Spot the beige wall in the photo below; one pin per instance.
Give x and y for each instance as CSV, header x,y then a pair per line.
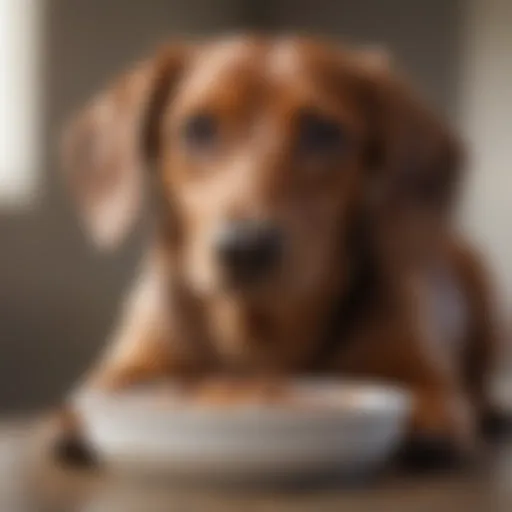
x,y
486,119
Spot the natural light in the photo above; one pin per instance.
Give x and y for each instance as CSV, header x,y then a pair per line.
x,y
20,85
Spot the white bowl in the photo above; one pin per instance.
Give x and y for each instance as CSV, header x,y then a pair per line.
x,y
250,443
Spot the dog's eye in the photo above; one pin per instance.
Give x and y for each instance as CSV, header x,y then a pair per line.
x,y
200,131
318,135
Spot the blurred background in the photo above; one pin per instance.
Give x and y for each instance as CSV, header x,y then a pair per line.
x,y
58,297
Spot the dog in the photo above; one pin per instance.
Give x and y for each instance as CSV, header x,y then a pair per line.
x,y
302,195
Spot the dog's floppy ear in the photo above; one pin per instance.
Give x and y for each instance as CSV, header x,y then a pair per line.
x,y
416,155
105,146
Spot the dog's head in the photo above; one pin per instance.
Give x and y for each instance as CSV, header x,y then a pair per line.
x,y
265,153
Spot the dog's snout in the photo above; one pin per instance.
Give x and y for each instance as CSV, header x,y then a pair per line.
x,y
249,250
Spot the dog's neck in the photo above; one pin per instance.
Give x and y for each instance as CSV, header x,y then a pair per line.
x,y
273,337
293,336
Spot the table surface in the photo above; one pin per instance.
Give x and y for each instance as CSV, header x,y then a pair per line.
x,y
30,482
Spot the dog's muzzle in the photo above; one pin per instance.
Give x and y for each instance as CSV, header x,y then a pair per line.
x,y
248,251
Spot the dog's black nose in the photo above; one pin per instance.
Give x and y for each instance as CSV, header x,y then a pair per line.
x,y
249,250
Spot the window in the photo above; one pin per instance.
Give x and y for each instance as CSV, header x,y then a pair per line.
x,y
20,88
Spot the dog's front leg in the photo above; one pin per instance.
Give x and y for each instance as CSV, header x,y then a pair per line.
x,y
142,350
139,357
442,425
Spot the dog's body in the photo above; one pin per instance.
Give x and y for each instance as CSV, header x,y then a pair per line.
x,y
303,201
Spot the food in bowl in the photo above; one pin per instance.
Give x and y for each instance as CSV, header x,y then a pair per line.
x,y
225,392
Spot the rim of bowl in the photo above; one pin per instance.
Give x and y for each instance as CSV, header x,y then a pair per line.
x,y
374,399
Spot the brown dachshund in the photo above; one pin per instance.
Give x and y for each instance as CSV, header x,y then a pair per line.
x,y
302,196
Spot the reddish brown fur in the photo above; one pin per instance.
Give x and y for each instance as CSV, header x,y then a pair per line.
x,y
399,170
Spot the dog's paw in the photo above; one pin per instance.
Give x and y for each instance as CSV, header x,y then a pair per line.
x,y
496,424
427,452
72,451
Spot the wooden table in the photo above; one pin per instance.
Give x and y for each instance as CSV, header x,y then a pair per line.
x,y
30,482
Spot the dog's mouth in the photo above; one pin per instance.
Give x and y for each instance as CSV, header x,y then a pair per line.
x,y
251,287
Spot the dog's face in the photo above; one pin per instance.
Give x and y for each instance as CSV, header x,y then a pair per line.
x,y
264,154
261,160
